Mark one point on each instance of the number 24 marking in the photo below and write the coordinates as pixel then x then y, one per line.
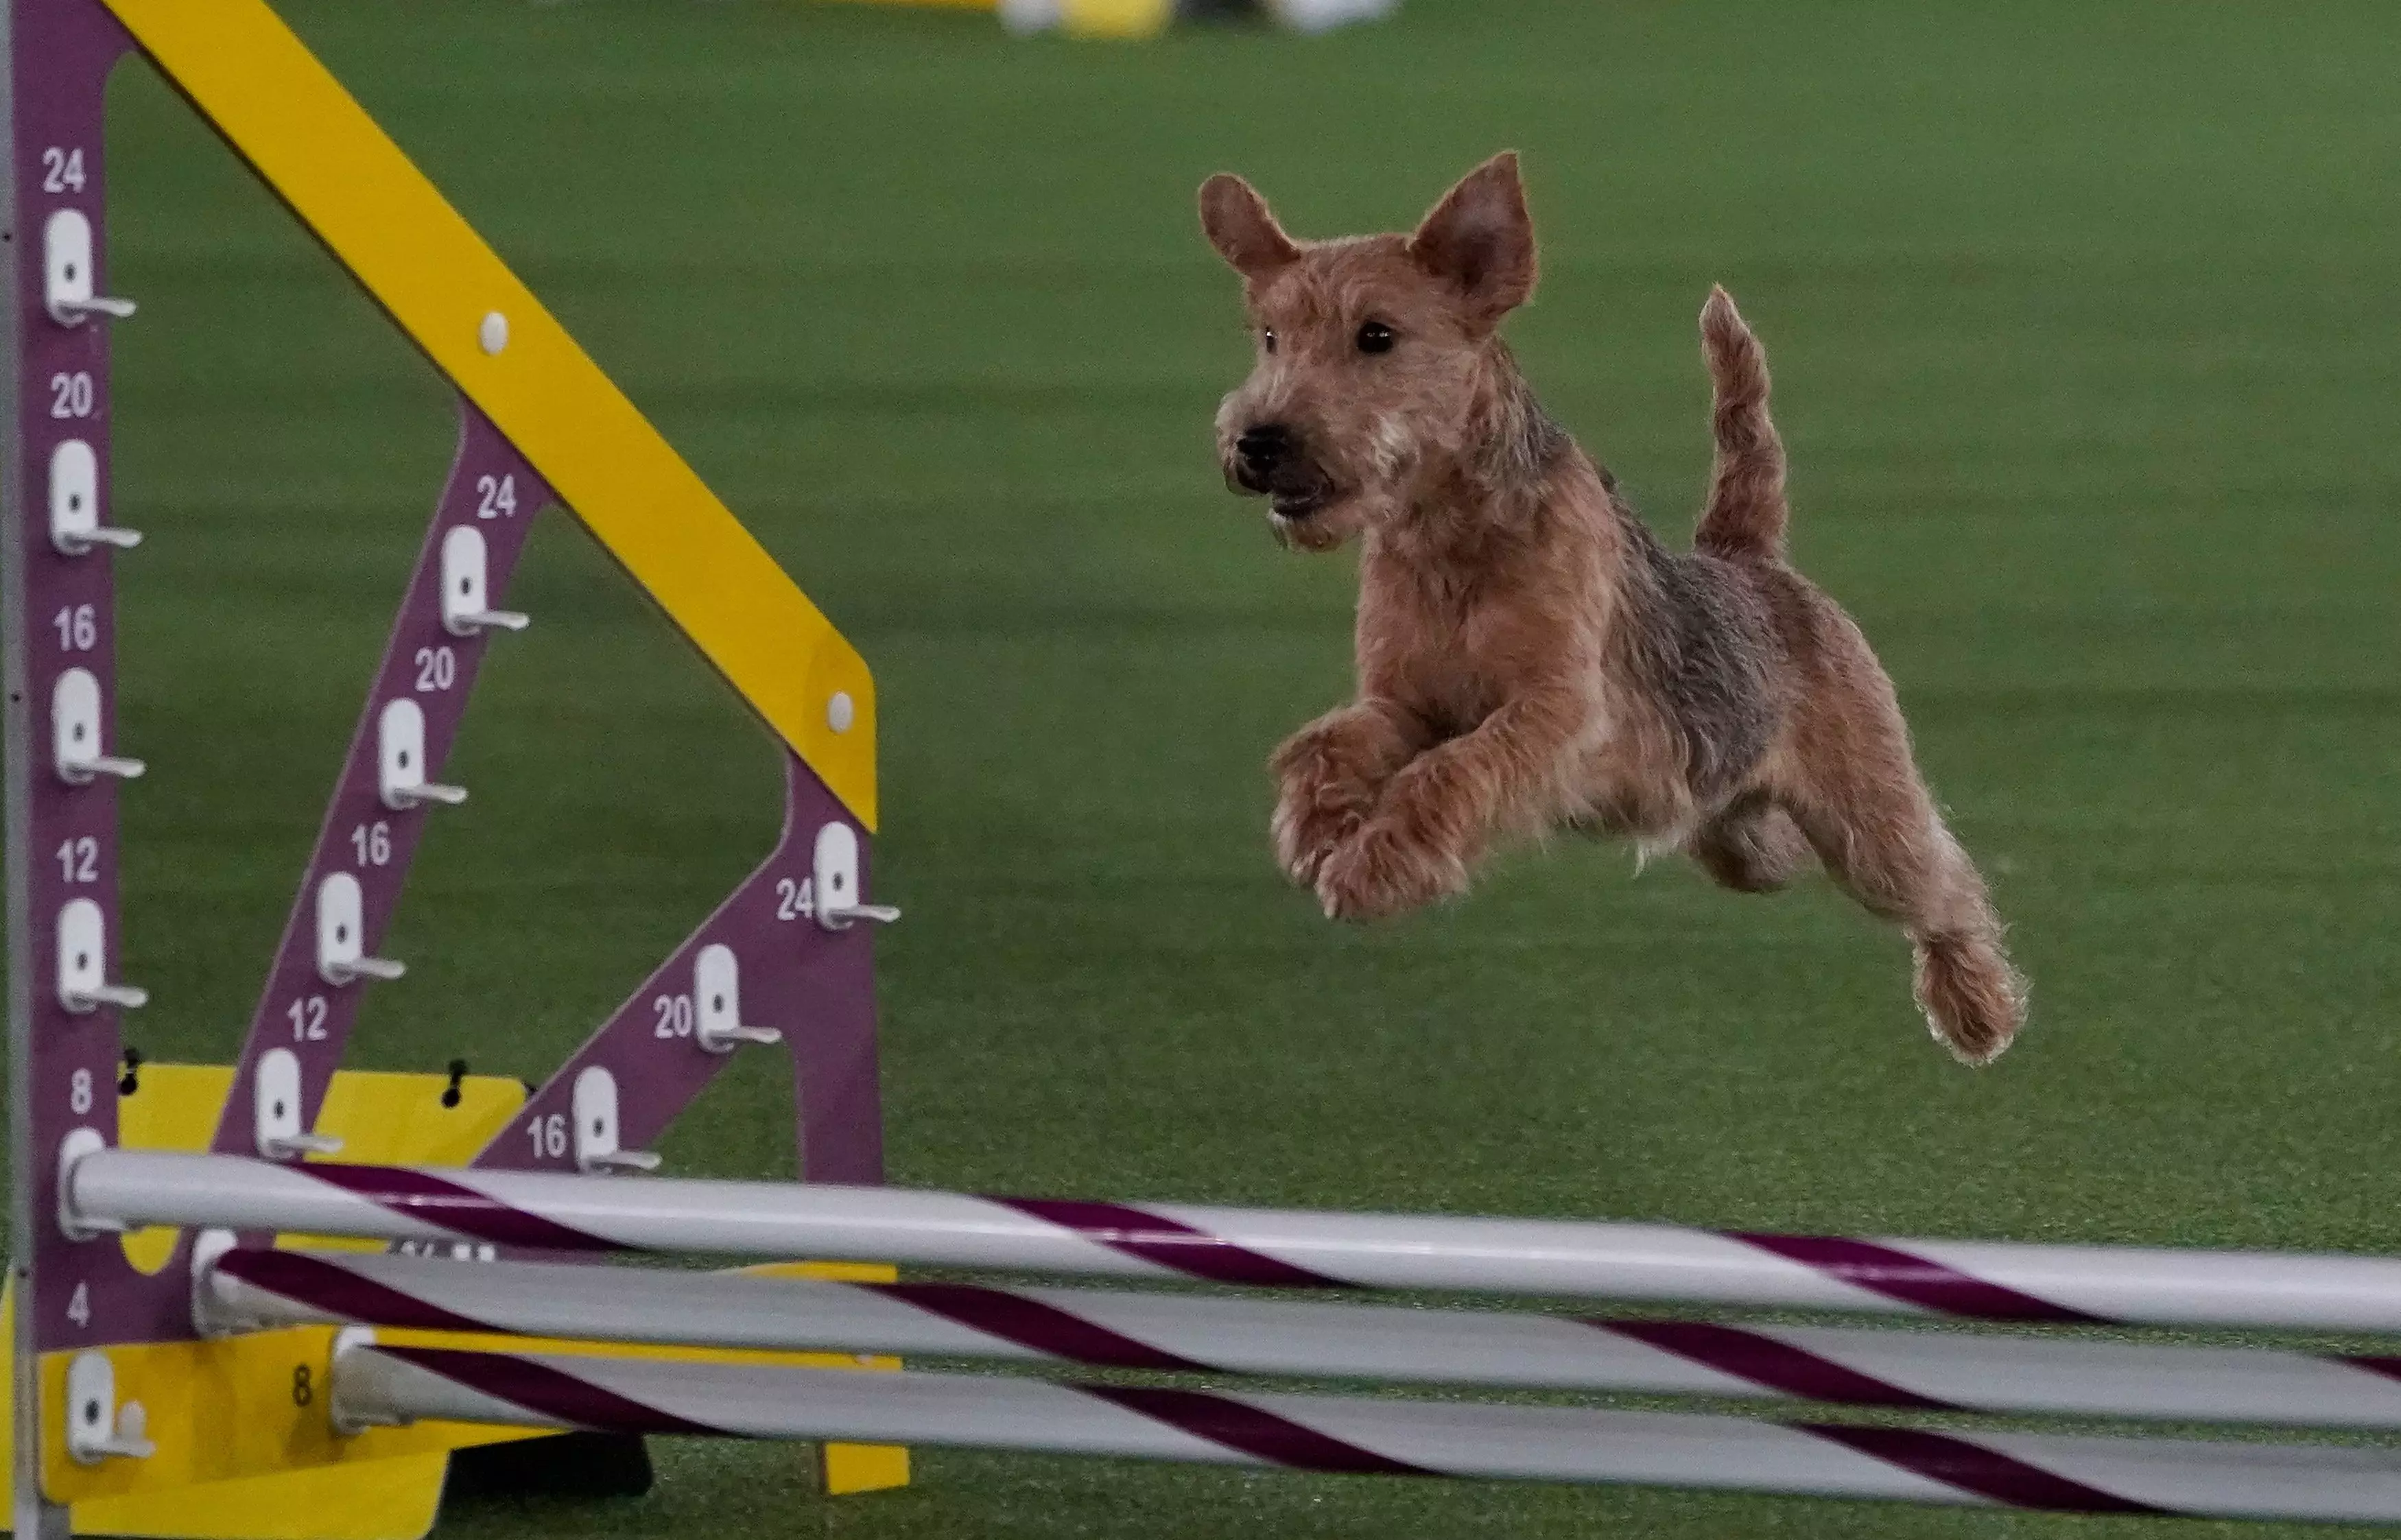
pixel 496 497
pixel 61 170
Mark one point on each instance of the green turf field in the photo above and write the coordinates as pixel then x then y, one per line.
pixel 2083 325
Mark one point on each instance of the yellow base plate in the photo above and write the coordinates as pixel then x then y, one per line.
pixel 245 1449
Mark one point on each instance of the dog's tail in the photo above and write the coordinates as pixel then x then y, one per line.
pixel 1746 514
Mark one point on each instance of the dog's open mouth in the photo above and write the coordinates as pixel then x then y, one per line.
pixel 1296 490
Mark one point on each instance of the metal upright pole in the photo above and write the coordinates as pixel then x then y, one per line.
pixel 34 1517
pixel 56 579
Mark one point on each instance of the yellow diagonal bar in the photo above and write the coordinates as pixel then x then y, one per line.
pixel 292 121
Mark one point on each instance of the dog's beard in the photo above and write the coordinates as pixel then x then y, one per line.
pixel 1311 534
pixel 1329 522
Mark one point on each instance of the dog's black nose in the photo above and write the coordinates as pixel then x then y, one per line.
pixel 1264 445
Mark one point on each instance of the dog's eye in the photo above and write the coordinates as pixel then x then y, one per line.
pixel 1266 337
pixel 1375 338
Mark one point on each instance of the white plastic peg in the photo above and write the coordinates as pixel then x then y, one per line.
pixel 350 1420
pixel 341 935
pixel 74 732
pixel 836 882
pixel 596 1128
pixel 717 1000
pixel 66 273
pixel 275 1110
pixel 83 963
pixel 464 583
pixel 79 1142
pixel 400 760
pixel 98 1428
pixel 212 1315
pixel 74 503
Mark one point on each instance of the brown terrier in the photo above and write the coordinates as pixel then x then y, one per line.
pixel 1529 654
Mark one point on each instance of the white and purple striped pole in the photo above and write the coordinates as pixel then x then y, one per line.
pixel 1991 1281
pixel 1921 1370
pixel 1371 1436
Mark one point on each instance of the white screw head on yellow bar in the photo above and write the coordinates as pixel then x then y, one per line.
pixel 841 711
pixel 494 333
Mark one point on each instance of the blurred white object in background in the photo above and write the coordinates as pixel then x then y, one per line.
pixel 1323 15
pixel 1030 15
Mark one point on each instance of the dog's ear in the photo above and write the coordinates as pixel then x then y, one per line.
pixel 1241 227
pixel 1480 239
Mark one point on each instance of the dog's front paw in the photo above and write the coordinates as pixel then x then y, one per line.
pixel 1382 870
pixel 1321 801
pixel 1309 828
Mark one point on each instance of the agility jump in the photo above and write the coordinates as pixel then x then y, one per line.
pixel 472 1375
pixel 185 1362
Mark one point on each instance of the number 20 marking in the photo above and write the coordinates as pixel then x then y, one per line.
pixel 70 395
pixel 437 669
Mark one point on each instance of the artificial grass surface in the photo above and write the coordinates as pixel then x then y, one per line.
pixel 2084 352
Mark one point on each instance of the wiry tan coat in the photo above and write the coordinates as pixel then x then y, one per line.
pixel 1529 654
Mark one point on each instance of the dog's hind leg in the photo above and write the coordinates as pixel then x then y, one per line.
pixel 1753 846
pixel 1852 787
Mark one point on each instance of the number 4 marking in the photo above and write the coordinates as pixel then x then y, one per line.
pixel 79 1307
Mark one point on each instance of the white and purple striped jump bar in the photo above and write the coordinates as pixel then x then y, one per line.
pixel 1923 1371
pixel 375 1384
pixel 1991 1281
